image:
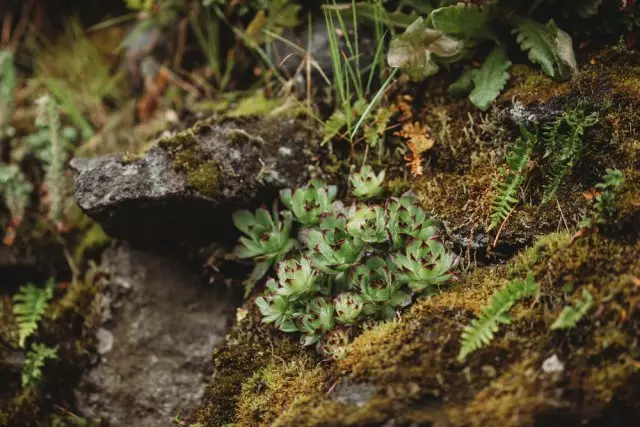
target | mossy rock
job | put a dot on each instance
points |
(409, 367)
(188, 183)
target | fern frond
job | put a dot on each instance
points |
(481, 330)
(536, 39)
(29, 306)
(511, 177)
(571, 314)
(33, 364)
(563, 140)
(490, 78)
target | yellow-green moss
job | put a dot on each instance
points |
(250, 347)
(202, 175)
(529, 85)
(205, 178)
(272, 389)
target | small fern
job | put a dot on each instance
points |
(55, 156)
(29, 305)
(481, 330)
(33, 364)
(563, 141)
(571, 314)
(511, 177)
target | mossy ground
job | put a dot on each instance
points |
(263, 377)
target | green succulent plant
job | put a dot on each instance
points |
(348, 307)
(267, 238)
(407, 219)
(297, 279)
(335, 343)
(332, 248)
(366, 184)
(379, 289)
(277, 309)
(317, 320)
(424, 265)
(327, 290)
(367, 223)
(309, 202)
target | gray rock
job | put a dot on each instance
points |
(186, 186)
(349, 393)
(156, 353)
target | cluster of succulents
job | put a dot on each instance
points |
(353, 265)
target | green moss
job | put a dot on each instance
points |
(529, 85)
(205, 179)
(249, 348)
(94, 237)
(202, 175)
(271, 390)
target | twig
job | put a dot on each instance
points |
(495, 242)
(562, 215)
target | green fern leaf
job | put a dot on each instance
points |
(541, 43)
(571, 314)
(563, 141)
(33, 364)
(511, 178)
(29, 305)
(490, 78)
(481, 330)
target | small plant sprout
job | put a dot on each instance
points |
(348, 307)
(367, 223)
(605, 202)
(424, 265)
(366, 184)
(35, 361)
(572, 314)
(308, 203)
(267, 238)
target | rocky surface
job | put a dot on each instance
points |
(187, 184)
(159, 324)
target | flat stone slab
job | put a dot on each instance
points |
(186, 186)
